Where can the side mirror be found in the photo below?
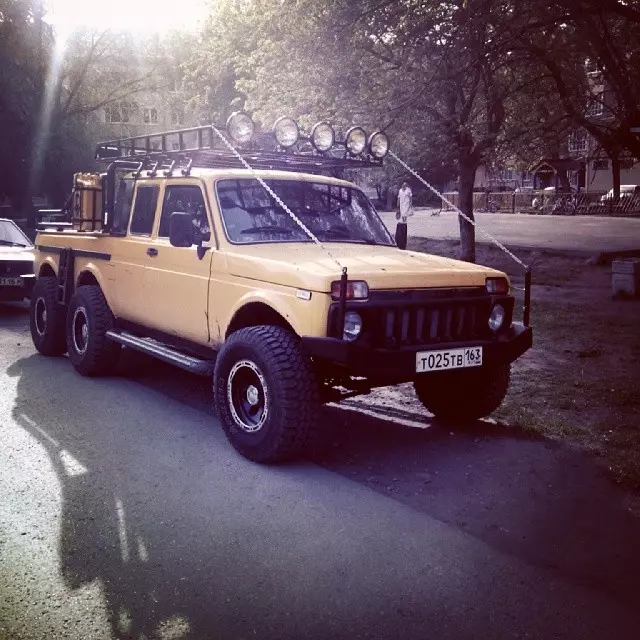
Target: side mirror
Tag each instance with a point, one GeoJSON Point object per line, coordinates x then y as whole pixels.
{"type": "Point", "coordinates": [181, 229]}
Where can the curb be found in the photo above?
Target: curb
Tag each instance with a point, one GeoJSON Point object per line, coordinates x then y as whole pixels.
{"type": "Point", "coordinates": [595, 257]}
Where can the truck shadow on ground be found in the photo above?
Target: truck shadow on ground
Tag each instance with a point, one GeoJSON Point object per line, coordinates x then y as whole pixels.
{"type": "Point", "coordinates": [538, 501]}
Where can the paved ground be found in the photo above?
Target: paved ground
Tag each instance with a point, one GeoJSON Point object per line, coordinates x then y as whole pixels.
{"type": "Point", "coordinates": [588, 234]}
{"type": "Point", "coordinates": [125, 514]}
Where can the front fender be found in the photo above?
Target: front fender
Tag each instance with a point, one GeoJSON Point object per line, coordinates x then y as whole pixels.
{"type": "Point", "coordinates": [281, 303]}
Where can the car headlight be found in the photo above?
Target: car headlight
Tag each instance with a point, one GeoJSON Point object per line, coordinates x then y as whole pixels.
{"type": "Point", "coordinates": [323, 136]}
{"type": "Point", "coordinates": [352, 326]}
{"type": "Point", "coordinates": [497, 285]}
{"type": "Point", "coordinates": [286, 131]}
{"type": "Point", "coordinates": [379, 145]}
{"type": "Point", "coordinates": [240, 127]}
{"type": "Point", "coordinates": [496, 317]}
{"type": "Point", "coordinates": [356, 141]}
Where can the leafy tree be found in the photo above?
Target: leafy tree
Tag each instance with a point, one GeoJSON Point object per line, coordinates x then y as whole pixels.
{"type": "Point", "coordinates": [591, 51]}
{"type": "Point", "coordinates": [440, 74]}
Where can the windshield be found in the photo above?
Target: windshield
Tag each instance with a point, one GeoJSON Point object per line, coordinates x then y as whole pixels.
{"type": "Point", "coordinates": [331, 212]}
{"type": "Point", "coordinates": [10, 235]}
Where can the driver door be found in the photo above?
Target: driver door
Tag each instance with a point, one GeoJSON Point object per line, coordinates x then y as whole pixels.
{"type": "Point", "coordinates": [177, 279]}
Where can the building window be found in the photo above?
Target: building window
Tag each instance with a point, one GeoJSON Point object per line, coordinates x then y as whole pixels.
{"type": "Point", "coordinates": [120, 112]}
{"type": "Point", "coordinates": [112, 113]}
{"type": "Point", "coordinates": [177, 117]}
{"type": "Point", "coordinates": [127, 110]}
{"type": "Point", "coordinates": [150, 115]}
{"type": "Point", "coordinates": [600, 165]}
{"type": "Point", "coordinates": [578, 142]}
{"type": "Point", "coordinates": [596, 105]}
{"type": "Point", "coordinates": [626, 164]}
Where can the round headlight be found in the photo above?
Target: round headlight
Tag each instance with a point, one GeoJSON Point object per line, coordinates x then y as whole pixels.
{"type": "Point", "coordinates": [352, 326]}
{"type": "Point", "coordinates": [322, 136]}
{"type": "Point", "coordinates": [286, 132]}
{"type": "Point", "coordinates": [496, 318]}
{"type": "Point", "coordinates": [379, 145]}
{"type": "Point", "coordinates": [240, 127]}
{"type": "Point", "coordinates": [356, 141]}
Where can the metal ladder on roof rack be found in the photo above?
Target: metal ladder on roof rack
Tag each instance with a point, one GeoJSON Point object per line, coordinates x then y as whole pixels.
{"type": "Point", "coordinates": [65, 276]}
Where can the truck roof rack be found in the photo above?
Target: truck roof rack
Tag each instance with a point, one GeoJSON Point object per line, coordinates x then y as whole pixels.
{"type": "Point", "coordinates": [182, 149]}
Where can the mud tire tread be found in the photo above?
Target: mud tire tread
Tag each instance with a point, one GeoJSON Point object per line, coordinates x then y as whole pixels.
{"type": "Point", "coordinates": [464, 395]}
{"type": "Point", "coordinates": [101, 357]}
{"type": "Point", "coordinates": [53, 343]}
{"type": "Point", "coordinates": [292, 385]}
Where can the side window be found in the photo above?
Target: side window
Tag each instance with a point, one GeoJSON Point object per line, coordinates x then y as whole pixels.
{"type": "Point", "coordinates": [144, 210]}
{"type": "Point", "coordinates": [122, 206]}
{"type": "Point", "coordinates": [185, 199]}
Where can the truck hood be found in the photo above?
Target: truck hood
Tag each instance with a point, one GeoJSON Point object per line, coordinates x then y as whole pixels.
{"type": "Point", "coordinates": [307, 266]}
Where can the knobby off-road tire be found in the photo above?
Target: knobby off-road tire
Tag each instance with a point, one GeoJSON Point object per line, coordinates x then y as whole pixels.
{"type": "Point", "coordinates": [88, 320]}
{"type": "Point", "coordinates": [455, 396]}
{"type": "Point", "coordinates": [266, 394]}
{"type": "Point", "coordinates": [47, 318]}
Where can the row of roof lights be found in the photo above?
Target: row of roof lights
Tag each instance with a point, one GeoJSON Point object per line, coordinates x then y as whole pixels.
{"type": "Point", "coordinates": [240, 128]}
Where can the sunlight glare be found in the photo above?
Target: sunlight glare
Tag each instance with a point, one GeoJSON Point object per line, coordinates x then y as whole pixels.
{"type": "Point", "coordinates": [123, 15]}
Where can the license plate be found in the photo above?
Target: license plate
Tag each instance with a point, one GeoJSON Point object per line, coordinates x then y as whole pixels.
{"type": "Point", "coordinates": [448, 359]}
{"type": "Point", "coordinates": [10, 282]}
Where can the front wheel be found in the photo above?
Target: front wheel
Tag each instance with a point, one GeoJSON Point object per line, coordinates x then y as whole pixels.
{"type": "Point", "coordinates": [266, 394]}
{"type": "Point", "coordinates": [464, 394]}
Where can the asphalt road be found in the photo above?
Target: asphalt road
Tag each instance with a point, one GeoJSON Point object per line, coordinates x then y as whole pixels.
{"type": "Point", "coordinates": [124, 513]}
{"type": "Point", "coordinates": [582, 234]}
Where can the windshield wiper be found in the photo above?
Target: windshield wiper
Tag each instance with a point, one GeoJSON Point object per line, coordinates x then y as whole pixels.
{"type": "Point", "coordinates": [9, 243]}
{"type": "Point", "coordinates": [267, 230]}
{"type": "Point", "coordinates": [346, 235]}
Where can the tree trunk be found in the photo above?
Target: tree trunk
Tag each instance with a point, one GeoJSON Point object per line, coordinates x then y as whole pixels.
{"type": "Point", "coordinates": [467, 230]}
{"type": "Point", "coordinates": [615, 174]}
{"type": "Point", "coordinates": [389, 199]}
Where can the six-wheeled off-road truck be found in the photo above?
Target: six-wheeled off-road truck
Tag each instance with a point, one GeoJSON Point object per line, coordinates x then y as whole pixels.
{"type": "Point", "coordinates": [250, 262]}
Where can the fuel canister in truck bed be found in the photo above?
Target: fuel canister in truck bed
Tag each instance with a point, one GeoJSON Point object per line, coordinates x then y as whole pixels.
{"type": "Point", "coordinates": [87, 202]}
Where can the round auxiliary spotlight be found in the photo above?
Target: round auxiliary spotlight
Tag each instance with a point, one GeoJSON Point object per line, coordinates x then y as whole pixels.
{"type": "Point", "coordinates": [379, 145]}
{"type": "Point", "coordinates": [323, 136]}
{"type": "Point", "coordinates": [240, 127]}
{"type": "Point", "coordinates": [356, 141]}
{"type": "Point", "coordinates": [286, 131]}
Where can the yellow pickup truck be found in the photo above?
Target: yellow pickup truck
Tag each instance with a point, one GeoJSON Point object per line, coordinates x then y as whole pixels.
{"type": "Point", "coordinates": [279, 280]}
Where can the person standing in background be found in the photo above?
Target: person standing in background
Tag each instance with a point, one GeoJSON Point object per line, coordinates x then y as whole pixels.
{"type": "Point", "coordinates": [405, 210]}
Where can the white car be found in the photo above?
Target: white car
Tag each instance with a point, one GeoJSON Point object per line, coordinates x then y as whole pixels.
{"type": "Point", "coordinates": [626, 191]}
{"type": "Point", "coordinates": [16, 263]}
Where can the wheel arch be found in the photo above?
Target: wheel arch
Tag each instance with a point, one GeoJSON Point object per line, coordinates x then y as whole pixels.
{"type": "Point", "coordinates": [47, 269]}
{"type": "Point", "coordinates": [258, 312]}
{"type": "Point", "coordinates": [87, 277]}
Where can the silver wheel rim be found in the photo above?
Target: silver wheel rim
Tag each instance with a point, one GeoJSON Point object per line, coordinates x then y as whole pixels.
{"type": "Point", "coordinates": [247, 396]}
{"type": "Point", "coordinates": [80, 330]}
{"type": "Point", "coordinates": [40, 315]}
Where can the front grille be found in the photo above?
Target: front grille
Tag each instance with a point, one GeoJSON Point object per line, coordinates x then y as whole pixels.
{"type": "Point", "coordinates": [445, 322]}
{"type": "Point", "coordinates": [15, 267]}
{"type": "Point", "coordinates": [392, 320]}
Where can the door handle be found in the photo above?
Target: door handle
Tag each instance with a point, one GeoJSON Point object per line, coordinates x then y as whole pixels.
{"type": "Point", "coordinates": [152, 251]}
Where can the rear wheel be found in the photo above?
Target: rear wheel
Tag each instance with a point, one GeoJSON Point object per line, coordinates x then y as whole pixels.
{"type": "Point", "coordinates": [464, 395]}
{"type": "Point", "coordinates": [266, 395]}
{"type": "Point", "coordinates": [88, 320]}
{"type": "Point", "coordinates": [47, 318]}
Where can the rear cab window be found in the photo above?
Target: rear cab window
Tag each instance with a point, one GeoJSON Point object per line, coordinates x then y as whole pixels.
{"type": "Point", "coordinates": [144, 210]}
{"type": "Point", "coordinates": [122, 205]}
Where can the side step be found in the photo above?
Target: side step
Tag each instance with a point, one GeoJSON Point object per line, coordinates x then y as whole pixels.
{"type": "Point", "coordinates": [163, 352]}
